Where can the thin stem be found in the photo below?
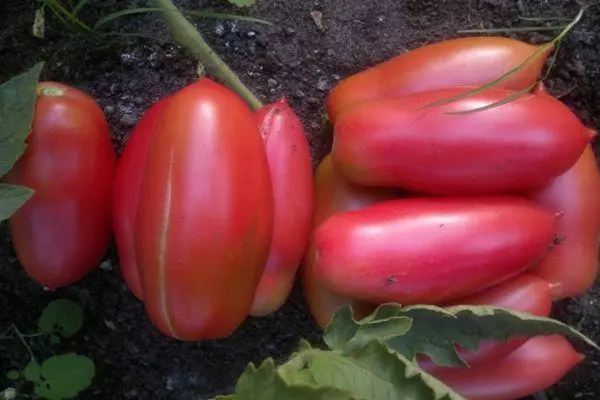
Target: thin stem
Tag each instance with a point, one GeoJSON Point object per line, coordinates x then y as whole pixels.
{"type": "Point", "coordinates": [186, 34]}
{"type": "Point", "coordinates": [22, 338]}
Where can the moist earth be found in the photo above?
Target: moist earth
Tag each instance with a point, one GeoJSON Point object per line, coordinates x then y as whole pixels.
{"type": "Point", "coordinates": [300, 57]}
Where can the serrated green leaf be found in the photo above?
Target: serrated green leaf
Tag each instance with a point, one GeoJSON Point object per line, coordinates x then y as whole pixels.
{"type": "Point", "coordinates": [243, 3]}
{"type": "Point", "coordinates": [63, 317]}
{"type": "Point", "coordinates": [13, 375]}
{"type": "Point", "coordinates": [17, 106]}
{"type": "Point", "coordinates": [346, 332]}
{"type": "Point", "coordinates": [265, 383]}
{"type": "Point", "coordinates": [64, 376]}
{"type": "Point", "coordinates": [374, 372]}
{"type": "Point", "coordinates": [435, 331]}
{"type": "Point", "coordinates": [12, 197]}
{"type": "Point", "coordinates": [32, 371]}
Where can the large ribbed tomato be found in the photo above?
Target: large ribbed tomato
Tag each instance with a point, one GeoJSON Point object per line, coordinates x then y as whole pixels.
{"type": "Point", "coordinates": [64, 230]}
{"type": "Point", "coordinates": [205, 214]}
{"type": "Point", "coordinates": [470, 61]}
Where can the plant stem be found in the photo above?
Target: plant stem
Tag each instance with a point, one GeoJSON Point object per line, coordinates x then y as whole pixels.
{"type": "Point", "coordinates": [20, 336]}
{"type": "Point", "coordinates": [188, 36]}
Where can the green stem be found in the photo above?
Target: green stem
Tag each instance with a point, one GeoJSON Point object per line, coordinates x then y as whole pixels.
{"type": "Point", "coordinates": [22, 338]}
{"type": "Point", "coordinates": [186, 34]}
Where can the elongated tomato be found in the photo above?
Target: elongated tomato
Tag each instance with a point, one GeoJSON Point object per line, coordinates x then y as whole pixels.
{"type": "Point", "coordinates": [431, 250]}
{"type": "Point", "coordinates": [540, 363]}
{"type": "Point", "coordinates": [520, 145]}
{"type": "Point", "coordinates": [572, 268]}
{"type": "Point", "coordinates": [64, 230]}
{"type": "Point", "coordinates": [126, 195]}
{"type": "Point", "coordinates": [289, 160]}
{"type": "Point", "coordinates": [205, 214]}
{"type": "Point", "coordinates": [471, 61]}
{"type": "Point", "coordinates": [333, 195]}
{"type": "Point", "coordinates": [524, 293]}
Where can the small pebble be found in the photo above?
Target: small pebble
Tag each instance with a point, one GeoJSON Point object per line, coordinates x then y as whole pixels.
{"type": "Point", "coordinates": [299, 94]}
{"type": "Point", "coordinates": [219, 29]}
{"type": "Point", "coordinates": [323, 84]}
{"type": "Point", "coordinates": [128, 120]}
{"type": "Point", "coordinates": [272, 82]}
{"type": "Point", "coordinates": [289, 31]}
{"type": "Point", "coordinates": [109, 109]}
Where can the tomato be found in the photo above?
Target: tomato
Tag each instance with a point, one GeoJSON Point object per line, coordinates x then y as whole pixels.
{"type": "Point", "coordinates": [63, 232]}
{"type": "Point", "coordinates": [524, 293]}
{"type": "Point", "coordinates": [430, 250]}
{"type": "Point", "coordinates": [573, 266]}
{"type": "Point", "coordinates": [289, 160]}
{"type": "Point", "coordinates": [520, 145]}
{"type": "Point", "coordinates": [333, 195]}
{"type": "Point", "coordinates": [205, 214]}
{"type": "Point", "coordinates": [540, 363]}
{"type": "Point", "coordinates": [127, 187]}
{"type": "Point", "coordinates": [471, 61]}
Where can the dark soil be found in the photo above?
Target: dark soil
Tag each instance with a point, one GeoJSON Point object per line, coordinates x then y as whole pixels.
{"type": "Point", "coordinates": [297, 59]}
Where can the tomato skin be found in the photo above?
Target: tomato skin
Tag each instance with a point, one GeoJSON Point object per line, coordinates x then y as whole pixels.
{"type": "Point", "coordinates": [472, 61]}
{"type": "Point", "coordinates": [573, 266]}
{"type": "Point", "coordinates": [524, 293]}
{"type": "Point", "coordinates": [126, 195]}
{"type": "Point", "coordinates": [63, 232]}
{"type": "Point", "coordinates": [378, 253]}
{"type": "Point", "coordinates": [540, 363]}
{"type": "Point", "coordinates": [516, 146]}
{"type": "Point", "coordinates": [290, 165]}
{"type": "Point", "coordinates": [205, 214]}
{"type": "Point", "coordinates": [332, 195]}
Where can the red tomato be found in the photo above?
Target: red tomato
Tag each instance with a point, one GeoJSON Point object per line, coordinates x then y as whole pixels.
{"type": "Point", "coordinates": [64, 231]}
{"type": "Point", "coordinates": [471, 61]}
{"type": "Point", "coordinates": [205, 214]}
{"type": "Point", "coordinates": [393, 142]}
{"type": "Point", "coordinates": [573, 266]}
{"type": "Point", "coordinates": [332, 195]}
{"type": "Point", "coordinates": [127, 188]}
{"type": "Point", "coordinates": [430, 250]}
{"type": "Point", "coordinates": [525, 293]}
{"type": "Point", "coordinates": [538, 364]}
{"type": "Point", "coordinates": [288, 154]}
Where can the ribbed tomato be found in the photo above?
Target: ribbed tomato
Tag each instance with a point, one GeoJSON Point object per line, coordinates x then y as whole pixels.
{"type": "Point", "coordinates": [431, 250]}
{"type": "Point", "coordinates": [205, 215]}
{"type": "Point", "coordinates": [64, 230]}
{"type": "Point", "coordinates": [471, 61]}
{"type": "Point", "coordinates": [516, 146]}
{"type": "Point", "coordinates": [289, 160]}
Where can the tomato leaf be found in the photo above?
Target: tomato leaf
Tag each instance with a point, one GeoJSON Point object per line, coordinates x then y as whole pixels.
{"type": "Point", "coordinates": [12, 197]}
{"type": "Point", "coordinates": [243, 3]}
{"type": "Point", "coordinates": [63, 317]}
{"type": "Point", "coordinates": [32, 371]}
{"type": "Point", "coordinates": [435, 331]}
{"type": "Point", "coordinates": [63, 377]}
{"type": "Point", "coordinates": [17, 107]}
{"type": "Point", "coordinates": [13, 375]}
{"type": "Point", "coordinates": [374, 372]}
{"type": "Point", "coordinates": [266, 383]}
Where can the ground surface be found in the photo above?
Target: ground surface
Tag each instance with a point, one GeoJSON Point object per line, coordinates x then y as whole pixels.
{"type": "Point", "coordinates": [296, 59]}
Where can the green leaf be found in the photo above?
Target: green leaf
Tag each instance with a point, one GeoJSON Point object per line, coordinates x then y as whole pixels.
{"type": "Point", "coordinates": [435, 331]}
{"type": "Point", "coordinates": [64, 376]}
{"type": "Point", "coordinates": [12, 197]}
{"type": "Point", "coordinates": [54, 339]}
{"type": "Point", "coordinates": [345, 332]}
{"type": "Point", "coordinates": [13, 375]}
{"type": "Point", "coordinates": [63, 317]}
{"type": "Point", "coordinates": [32, 371]}
{"type": "Point", "coordinates": [243, 3]}
{"type": "Point", "coordinates": [79, 7]}
{"type": "Point", "coordinates": [374, 372]}
{"type": "Point", "coordinates": [229, 397]}
{"type": "Point", "coordinates": [265, 383]}
{"type": "Point", "coordinates": [17, 107]}
{"type": "Point", "coordinates": [37, 29]}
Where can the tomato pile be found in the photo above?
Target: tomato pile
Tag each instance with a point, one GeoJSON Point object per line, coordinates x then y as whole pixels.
{"type": "Point", "coordinates": [427, 197]}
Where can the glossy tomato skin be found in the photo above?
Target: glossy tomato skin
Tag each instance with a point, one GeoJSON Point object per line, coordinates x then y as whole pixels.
{"type": "Point", "coordinates": [290, 165]}
{"type": "Point", "coordinates": [126, 194]}
{"type": "Point", "coordinates": [63, 232]}
{"type": "Point", "coordinates": [390, 251]}
{"type": "Point", "coordinates": [332, 195]}
{"type": "Point", "coordinates": [205, 214]}
{"type": "Point", "coordinates": [573, 266]}
{"type": "Point", "coordinates": [540, 363]}
{"type": "Point", "coordinates": [516, 146]}
{"type": "Point", "coordinates": [472, 61]}
{"type": "Point", "coordinates": [524, 293]}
